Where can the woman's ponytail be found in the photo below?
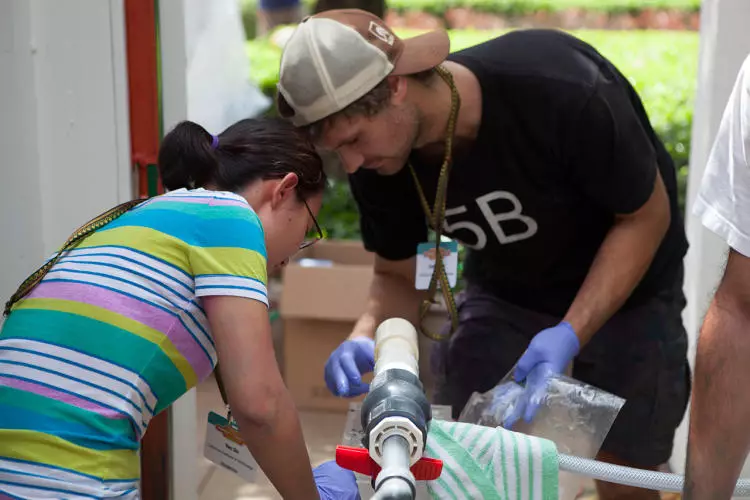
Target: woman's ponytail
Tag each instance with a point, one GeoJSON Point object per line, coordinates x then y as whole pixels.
{"type": "Point", "coordinates": [186, 157]}
{"type": "Point", "coordinates": [247, 151]}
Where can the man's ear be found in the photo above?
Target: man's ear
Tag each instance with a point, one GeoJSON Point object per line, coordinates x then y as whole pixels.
{"type": "Point", "coordinates": [398, 86]}
{"type": "Point", "coordinates": [284, 189]}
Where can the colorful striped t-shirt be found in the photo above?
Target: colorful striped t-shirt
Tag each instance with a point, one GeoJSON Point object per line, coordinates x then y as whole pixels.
{"type": "Point", "coordinates": [114, 334]}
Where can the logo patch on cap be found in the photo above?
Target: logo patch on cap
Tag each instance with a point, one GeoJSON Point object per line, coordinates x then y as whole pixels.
{"type": "Point", "coordinates": [381, 33]}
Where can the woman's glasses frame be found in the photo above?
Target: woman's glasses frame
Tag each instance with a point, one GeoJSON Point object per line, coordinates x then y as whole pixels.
{"type": "Point", "coordinates": [319, 236]}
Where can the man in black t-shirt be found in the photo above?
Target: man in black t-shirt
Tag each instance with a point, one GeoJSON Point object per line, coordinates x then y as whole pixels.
{"type": "Point", "coordinates": [559, 188]}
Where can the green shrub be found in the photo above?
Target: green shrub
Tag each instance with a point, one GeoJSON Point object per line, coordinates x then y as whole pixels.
{"type": "Point", "coordinates": [249, 17]}
{"type": "Point", "coordinates": [661, 65]}
{"type": "Point", "coordinates": [504, 7]}
{"type": "Point", "coordinates": [520, 7]}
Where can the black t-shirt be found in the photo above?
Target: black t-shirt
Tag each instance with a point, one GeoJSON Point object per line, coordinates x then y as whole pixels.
{"type": "Point", "coordinates": [564, 145]}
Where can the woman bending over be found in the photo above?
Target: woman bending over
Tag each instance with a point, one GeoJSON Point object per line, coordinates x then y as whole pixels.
{"type": "Point", "coordinates": [140, 305]}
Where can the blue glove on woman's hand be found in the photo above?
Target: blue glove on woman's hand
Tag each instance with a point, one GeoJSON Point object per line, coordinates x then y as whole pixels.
{"type": "Point", "coordinates": [335, 482]}
{"type": "Point", "coordinates": [548, 354]}
{"type": "Point", "coordinates": [345, 366]}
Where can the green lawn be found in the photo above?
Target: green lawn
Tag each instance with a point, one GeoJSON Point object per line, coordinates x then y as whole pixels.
{"type": "Point", "coordinates": [525, 6]}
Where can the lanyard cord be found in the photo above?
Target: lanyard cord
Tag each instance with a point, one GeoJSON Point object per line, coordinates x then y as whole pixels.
{"type": "Point", "coordinates": [436, 217]}
{"type": "Point", "coordinates": [77, 236]}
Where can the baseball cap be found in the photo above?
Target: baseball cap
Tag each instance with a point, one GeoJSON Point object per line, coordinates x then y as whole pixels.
{"type": "Point", "coordinates": [335, 57]}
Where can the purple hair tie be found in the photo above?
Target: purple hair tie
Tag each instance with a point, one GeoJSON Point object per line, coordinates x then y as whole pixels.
{"type": "Point", "coordinates": [214, 141]}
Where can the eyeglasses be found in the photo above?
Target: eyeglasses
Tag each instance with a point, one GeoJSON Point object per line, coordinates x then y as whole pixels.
{"type": "Point", "coordinates": [316, 237]}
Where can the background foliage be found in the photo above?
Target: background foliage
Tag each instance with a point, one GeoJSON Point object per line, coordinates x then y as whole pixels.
{"type": "Point", "coordinates": [439, 8]}
{"type": "Point", "coordinates": [662, 66]}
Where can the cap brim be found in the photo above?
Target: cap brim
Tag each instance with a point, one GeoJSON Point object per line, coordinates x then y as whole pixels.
{"type": "Point", "coordinates": [423, 52]}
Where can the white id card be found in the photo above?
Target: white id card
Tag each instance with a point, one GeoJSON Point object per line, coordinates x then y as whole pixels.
{"type": "Point", "coordinates": [225, 448]}
{"type": "Point", "coordinates": [426, 263]}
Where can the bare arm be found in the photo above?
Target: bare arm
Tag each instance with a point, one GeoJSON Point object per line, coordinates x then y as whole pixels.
{"type": "Point", "coordinates": [392, 293]}
{"type": "Point", "coordinates": [264, 410]}
{"type": "Point", "coordinates": [620, 263]}
{"type": "Point", "coordinates": [718, 440]}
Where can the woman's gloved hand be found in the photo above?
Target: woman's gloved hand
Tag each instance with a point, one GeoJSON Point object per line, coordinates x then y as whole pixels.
{"type": "Point", "coordinates": [335, 482]}
{"type": "Point", "coordinates": [548, 354]}
{"type": "Point", "coordinates": [345, 366]}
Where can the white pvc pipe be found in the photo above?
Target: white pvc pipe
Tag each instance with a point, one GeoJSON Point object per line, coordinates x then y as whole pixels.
{"type": "Point", "coordinates": [396, 346]}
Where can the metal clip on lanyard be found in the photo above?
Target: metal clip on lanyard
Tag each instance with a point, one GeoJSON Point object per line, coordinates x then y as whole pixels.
{"type": "Point", "coordinates": [223, 392]}
{"type": "Point", "coordinates": [436, 217]}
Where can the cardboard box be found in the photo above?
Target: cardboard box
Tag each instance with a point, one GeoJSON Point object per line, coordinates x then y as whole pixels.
{"type": "Point", "coordinates": [325, 291]}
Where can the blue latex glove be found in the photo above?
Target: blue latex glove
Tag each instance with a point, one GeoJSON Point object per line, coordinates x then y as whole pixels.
{"type": "Point", "coordinates": [345, 366]}
{"type": "Point", "coordinates": [548, 354]}
{"type": "Point", "coordinates": [335, 482]}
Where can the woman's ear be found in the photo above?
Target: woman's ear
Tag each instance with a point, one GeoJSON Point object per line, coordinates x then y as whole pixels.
{"type": "Point", "coordinates": [284, 189]}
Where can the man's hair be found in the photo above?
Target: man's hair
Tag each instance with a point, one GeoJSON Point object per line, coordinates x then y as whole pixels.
{"type": "Point", "coordinates": [370, 104]}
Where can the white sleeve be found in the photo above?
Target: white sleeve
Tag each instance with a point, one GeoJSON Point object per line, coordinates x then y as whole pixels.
{"type": "Point", "coordinates": [723, 201]}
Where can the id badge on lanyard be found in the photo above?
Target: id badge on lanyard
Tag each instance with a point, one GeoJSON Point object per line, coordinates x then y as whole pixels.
{"type": "Point", "coordinates": [225, 447]}
{"type": "Point", "coordinates": [426, 260]}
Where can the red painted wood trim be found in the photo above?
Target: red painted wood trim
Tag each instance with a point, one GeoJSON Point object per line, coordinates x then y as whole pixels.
{"type": "Point", "coordinates": [145, 135]}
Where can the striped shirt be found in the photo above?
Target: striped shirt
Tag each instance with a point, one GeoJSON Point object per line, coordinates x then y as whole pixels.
{"type": "Point", "coordinates": [113, 335]}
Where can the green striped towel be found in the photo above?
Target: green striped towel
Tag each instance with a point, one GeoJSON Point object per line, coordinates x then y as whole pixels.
{"type": "Point", "coordinates": [482, 462]}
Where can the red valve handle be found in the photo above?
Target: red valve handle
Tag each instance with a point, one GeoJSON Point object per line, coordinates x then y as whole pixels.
{"type": "Point", "coordinates": [359, 460]}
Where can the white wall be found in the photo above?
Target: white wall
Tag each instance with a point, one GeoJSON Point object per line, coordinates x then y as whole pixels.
{"type": "Point", "coordinates": [20, 192]}
{"type": "Point", "coordinates": [725, 42]}
{"type": "Point", "coordinates": [183, 422]}
{"type": "Point", "coordinates": [64, 144]}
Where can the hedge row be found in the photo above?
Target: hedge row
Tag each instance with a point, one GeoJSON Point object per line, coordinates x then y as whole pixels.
{"type": "Point", "coordinates": [440, 8]}
{"type": "Point", "coordinates": [518, 7]}
{"type": "Point", "coordinates": [511, 7]}
{"type": "Point", "coordinates": [662, 66]}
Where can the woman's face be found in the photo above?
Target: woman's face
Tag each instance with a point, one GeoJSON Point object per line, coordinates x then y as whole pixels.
{"type": "Point", "coordinates": [286, 220]}
{"type": "Point", "coordinates": [288, 234]}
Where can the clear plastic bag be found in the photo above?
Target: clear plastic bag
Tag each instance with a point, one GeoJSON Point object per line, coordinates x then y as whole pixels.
{"type": "Point", "coordinates": [574, 415]}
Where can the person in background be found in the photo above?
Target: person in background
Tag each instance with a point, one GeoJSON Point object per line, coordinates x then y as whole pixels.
{"type": "Point", "coordinates": [273, 13]}
{"type": "Point", "coordinates": [140, 305]}
{"type": "Point", "coordinates": [719, 437]}
{"type": "Point", "coordinates": [376, 7]}
{"type": "Point", "coordinates": [558, 186]}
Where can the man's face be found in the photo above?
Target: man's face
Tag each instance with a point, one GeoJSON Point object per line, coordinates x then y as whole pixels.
{"type": "Point", "coordinates": [381, 142]}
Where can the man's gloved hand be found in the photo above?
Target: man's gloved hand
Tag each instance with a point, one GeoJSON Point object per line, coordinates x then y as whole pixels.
{"type": "Point", "coordinates": [345, 366]}
{"type": "Point", "coordinates": [549, 352]}
{"type": "Point", "coordinates": [335, 482]}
